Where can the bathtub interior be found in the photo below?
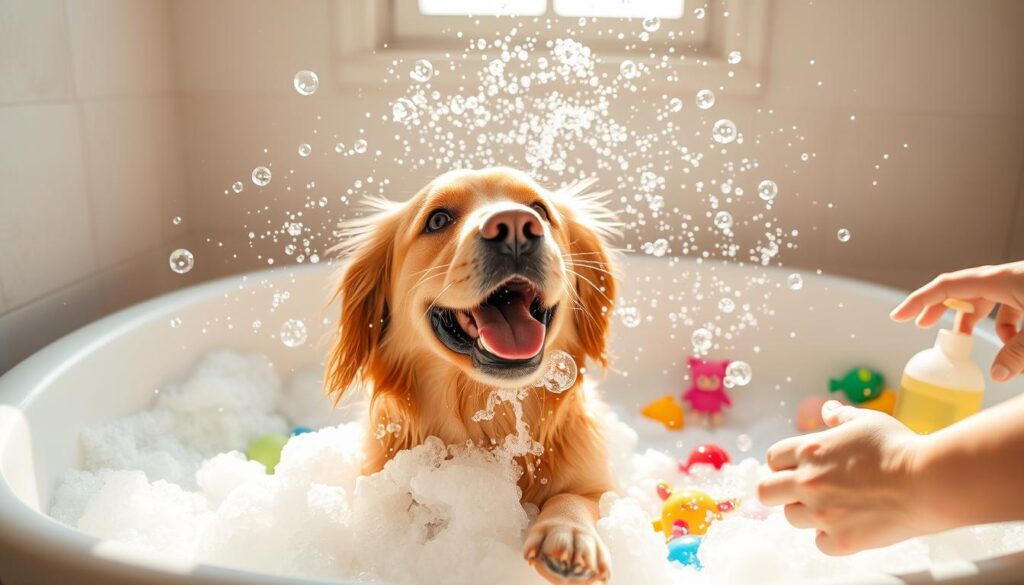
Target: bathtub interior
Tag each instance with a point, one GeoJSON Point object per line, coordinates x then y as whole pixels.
{"type": "Point", "coordinates": [801, 338]}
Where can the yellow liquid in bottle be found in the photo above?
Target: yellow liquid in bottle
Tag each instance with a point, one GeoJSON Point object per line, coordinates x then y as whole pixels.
{"type": "Point", "coordinates": [926, 408]}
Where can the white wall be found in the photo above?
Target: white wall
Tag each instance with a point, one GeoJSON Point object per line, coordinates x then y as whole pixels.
{"type": "Point", "coordinates": [116, 116]}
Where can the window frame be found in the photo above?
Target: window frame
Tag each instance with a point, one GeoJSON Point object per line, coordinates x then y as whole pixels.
{"type": "Point", "coordinates": [366, 44]}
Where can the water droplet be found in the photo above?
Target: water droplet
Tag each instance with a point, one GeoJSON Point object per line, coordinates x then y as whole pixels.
{"type": "Point", "coordinates": [740, 373]}
{"type": "Point", "coordinates": [359, 146]}
{"type": "Point", "coordinates": [724, 131]}
{"type": "Point", "coordinates": [305, 150]}
{"type": "Point", "coordinates": [795, 281]}
{"type": "Point", "coordinates": [256, 325]}
{"type": "Point", "coordinates": [294, 229]}
{"type": "Point", "coordinates": [651, 23]}
{"type": "Point", "coordinates": [402, 110]}
{"type": "Point", "coordinates": [735, 57]}
{"type": "Point", "coordinates": [843, 234]}
{"type": "Point", "coordinates": [629, 70]}
{"type": "Point", "coordinates": [705, 99]}
{"type": "Point", "coordinates": [744, 443]}
{"type": "Point", "coordinates": [306, 82]}
{"type": "Point", "coordinates": [293, 333]}
{"type": "Point", "coordinates": [176, 220]}
{"type": "Point", "coordinates": [181, 261]}
{"type": "Point", "coordinates": [260, 177]}
{"type": "Point", "coordinates": [561, 375]}
{"type": "Point", "coordinates": [175, 322]}
{"type": "Point", "coordinates": [290, 249]}
{"type": "Point", "coordinates": [698, 13]}
{"type": "Point", "coordinates": [701, 340]}
{"type": "Point", "coordinates": [723, 220]}
{"type": "Point", "coordinates": [675, 104]}
{"type": "Point", "coordinates": [237, 187]}
{"type": "Point", "coordinates": [767, 189]}
{"type": "Point", "coordinates": [726, 305]}
{"type": "Point", "coordinates": [630, 316]}
{"type": "Point", "coordinates": [422, 71]}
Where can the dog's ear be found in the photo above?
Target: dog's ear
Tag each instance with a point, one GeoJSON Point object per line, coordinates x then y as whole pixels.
{"type": "Point", "coordinates": [590, 225]}
{"type": "Point", "coordinates": [363, 289]}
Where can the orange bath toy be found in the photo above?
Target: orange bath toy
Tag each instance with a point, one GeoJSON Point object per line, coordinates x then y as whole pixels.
{"type": "Point", "coordinates": [666, 411]}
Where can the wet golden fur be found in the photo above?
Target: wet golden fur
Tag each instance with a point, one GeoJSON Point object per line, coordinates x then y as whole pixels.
{"type": "Point", "coordinates": [393, 274]}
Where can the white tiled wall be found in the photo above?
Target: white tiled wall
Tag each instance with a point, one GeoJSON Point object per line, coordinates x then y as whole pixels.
{"type": "Point", "coordinates": [117, 115]}
{"type": "Point", "coordinates": [90, 163]}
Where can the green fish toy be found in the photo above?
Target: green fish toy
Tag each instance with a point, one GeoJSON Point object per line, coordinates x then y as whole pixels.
{"type": "Point", "coordinates": [859, 385]}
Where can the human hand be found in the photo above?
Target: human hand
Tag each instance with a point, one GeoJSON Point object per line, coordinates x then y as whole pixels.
{"type": "Point", "coordinates": [854, 483]}
{"type": "Point", "coordinates": [984, 286]}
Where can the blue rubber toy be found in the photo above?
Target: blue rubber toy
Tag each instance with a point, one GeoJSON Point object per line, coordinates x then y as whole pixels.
{"type": "Point", "coordinates": [683, 550]}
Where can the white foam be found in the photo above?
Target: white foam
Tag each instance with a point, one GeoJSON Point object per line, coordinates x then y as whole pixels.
{"type": "Point", "coordinates": [171, 482]}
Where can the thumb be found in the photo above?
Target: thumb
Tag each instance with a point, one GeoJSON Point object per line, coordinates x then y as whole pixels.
{"type": "Point", "coordinates": [1009, 361]}
{"type": "Point", "coordinates": [835, 413]}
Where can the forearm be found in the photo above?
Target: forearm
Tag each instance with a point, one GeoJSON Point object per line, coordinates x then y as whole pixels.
{"type": "Point", "coordinates": [973, 472]}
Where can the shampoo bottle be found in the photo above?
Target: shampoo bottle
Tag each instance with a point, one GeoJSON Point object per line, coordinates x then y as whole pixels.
{"type": "Point", "coordinates": [941, 385]}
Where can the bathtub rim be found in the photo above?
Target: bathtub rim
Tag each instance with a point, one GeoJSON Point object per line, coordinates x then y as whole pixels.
{"type": "Point", "coordinates": [22, 531]}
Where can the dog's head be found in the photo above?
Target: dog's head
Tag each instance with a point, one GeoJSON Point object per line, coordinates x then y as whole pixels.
{"type": "Point", "coordinates": [484, 271]}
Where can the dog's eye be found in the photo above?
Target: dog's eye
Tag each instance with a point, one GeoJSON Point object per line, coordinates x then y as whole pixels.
{"type": "Point", "coordinates": [438, 220]}
{"type": "Point", "coordinates": [543, 211]}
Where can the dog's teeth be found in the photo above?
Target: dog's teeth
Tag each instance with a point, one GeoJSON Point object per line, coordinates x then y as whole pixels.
{"type": "Point", "coordinates": [483, 345]}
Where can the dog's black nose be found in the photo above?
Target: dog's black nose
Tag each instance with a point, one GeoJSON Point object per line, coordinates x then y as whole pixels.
{"type": "Point", "coordinates": [513, 232]}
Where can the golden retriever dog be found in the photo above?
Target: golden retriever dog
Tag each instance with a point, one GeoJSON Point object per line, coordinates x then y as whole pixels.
{"type": "Point", "coordinates": [465, 288]}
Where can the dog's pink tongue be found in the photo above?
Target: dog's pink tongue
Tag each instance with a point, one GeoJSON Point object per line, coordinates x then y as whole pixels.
{"type": "Point", "coordinates": [509, 330]}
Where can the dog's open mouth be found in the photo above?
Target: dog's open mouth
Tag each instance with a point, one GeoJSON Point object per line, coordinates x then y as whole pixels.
{"type": "Point", "coordinates": [504, 335]}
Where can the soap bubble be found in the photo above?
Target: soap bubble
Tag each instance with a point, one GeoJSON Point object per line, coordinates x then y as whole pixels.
{"type": "Point", "coordinates": [724, 131]}
{"type": "Point", "coordinates": [359, 146]}
{"type": "Point", "coordinates": [305, 150]}
{"type": "Point", "coordinates": [176, 220]}
{"type": "Point", "coordinates": [402, 110]}
{"type": "Point", "coordinates": [562, 373]}
{"type": "Point", "coordinates": [698, 13]}
{"type": "Point", "coordinates": [651, 23]}
{"type": "Point", "coordinates": [629, 70]}
{"type": "Point", "coordinates": [795, 281]}
{"type": "Point", "coordinates": [705, 99]}
{"type": "Point", "coordinates": [656, 248]}
{"type": "Point", "coordinates": [237, 187]}
{"type": "Point", "coordinates": [739, 372]}
{"type": "Point", "coordinates": [175, 322]}
{"type": "Point", "coordinates": [293, 333]}
{"type": "Point", "coordinates": [294, 229]}
{"type": "Point", "coordinates": [675, 104]}
{"type": "Point", "coordinates": [181, 261]}
{"type": "Point", "coordinates": [422, 71]}
{"type": "Point", "coordinates": [726, 305]}
{"type": "Point", "coordinates": [701, 340]}
{"type": "Point", "coordinates": [630, 316]}
{"type": "Point", "coordinates": [735, 57]}
{"type": "Point", "coordinates": [261, 176]}
{"type": "Point", "coordinates": [306, 82]}
{"type": "Point", "coordinates": [843, 234]}
{"type": "Point", "coordinates": [767, 189]}
{"type": "Point", "coordinates": [723, 220]}
{"type": "Point", "coordinates": [744, 443]}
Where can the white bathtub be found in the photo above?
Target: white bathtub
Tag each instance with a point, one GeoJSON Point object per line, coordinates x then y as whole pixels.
{"type": "Point", "coordinates": [109, 369]}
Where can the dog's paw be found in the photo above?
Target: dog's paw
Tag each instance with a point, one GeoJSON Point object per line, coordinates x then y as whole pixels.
{"type": "Point", "coordinates": [567, 553]}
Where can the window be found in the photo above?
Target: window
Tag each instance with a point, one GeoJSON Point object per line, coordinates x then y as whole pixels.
{"type": "Point", "coordinates": [371, 35]}
{"type": "Point", "coordinates": [429, 23]}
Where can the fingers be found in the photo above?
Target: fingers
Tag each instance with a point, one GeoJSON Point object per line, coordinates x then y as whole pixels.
{"type": "Point", "coordinates": [782, 455]}
{"type": "Point", "coordinates": [799, 515]}
{"type": "Point", "coordinates": [831, 545]}
{"type": "Point", "coordinates": [835, 413]}
{"type": "Point", "coordinates": [1008, 322]}
{"type": "Point", "coordinates": [931, 315]}
{"type": "Point", "coordinates": [989, 283]}
{"type": "Point", "coordinates": [1009, 361]}
{"type": "Point", "coordinates": [777, 489]}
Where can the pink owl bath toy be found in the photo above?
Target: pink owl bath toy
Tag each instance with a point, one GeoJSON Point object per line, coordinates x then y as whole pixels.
{"type": "Point", "coordinates": [707, 397]}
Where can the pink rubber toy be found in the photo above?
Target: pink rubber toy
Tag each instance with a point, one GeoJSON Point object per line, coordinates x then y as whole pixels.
{"type": "Point", "coordinates": [707, 397]}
